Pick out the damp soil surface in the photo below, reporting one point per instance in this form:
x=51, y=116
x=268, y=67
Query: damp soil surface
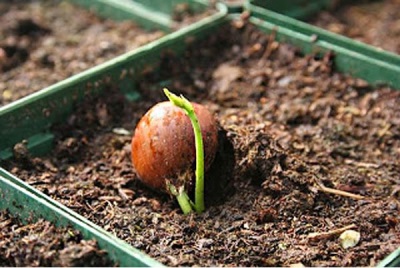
x=44, y=42
x=373, y=22
x=40, y=243
x=298, y=130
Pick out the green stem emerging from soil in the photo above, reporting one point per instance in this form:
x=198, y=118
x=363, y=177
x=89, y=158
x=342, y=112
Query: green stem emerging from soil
x=184, y=104
x=182, y=197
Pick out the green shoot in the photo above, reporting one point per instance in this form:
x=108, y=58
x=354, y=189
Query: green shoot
x=184, y=104
x=182, y=197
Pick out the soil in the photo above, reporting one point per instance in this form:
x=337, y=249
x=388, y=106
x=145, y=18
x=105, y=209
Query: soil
x=43, y=244
x=374, y=22
x=44, y=42
x=296, y=127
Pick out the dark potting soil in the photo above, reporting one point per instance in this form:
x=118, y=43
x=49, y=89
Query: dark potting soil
x=44, y=42
x=373, y=22
x=296, y=126
x=43, y=244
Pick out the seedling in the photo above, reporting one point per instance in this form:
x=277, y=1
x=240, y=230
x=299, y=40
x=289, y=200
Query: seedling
x=168, y=140
x=184, y=104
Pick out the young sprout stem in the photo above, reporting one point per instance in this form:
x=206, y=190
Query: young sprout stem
x=182, y=197
x=184, y=104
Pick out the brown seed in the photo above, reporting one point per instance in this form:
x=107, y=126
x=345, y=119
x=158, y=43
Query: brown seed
x=163, y=146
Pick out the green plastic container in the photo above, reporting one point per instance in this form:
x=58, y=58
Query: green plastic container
x=26, y=202
x=151, y=14
x=32, y=117
x=356, y=58
x=299, y=9
x=304, y=10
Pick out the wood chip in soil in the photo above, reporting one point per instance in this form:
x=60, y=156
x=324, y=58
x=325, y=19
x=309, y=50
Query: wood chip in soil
x=373, y=22
x=41, y=243
x=295, y=125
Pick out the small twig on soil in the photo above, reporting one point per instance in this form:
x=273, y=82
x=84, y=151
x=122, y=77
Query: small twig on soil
x=361, y=164
x=328, y=190
x=328, y=234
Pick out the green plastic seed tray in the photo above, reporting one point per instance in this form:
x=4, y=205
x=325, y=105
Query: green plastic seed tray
x=31, y=119
x=234, y=6
x=26, y=202
x=299, y=9
x=356, y=58
x=353, y=24
x=152, y=14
